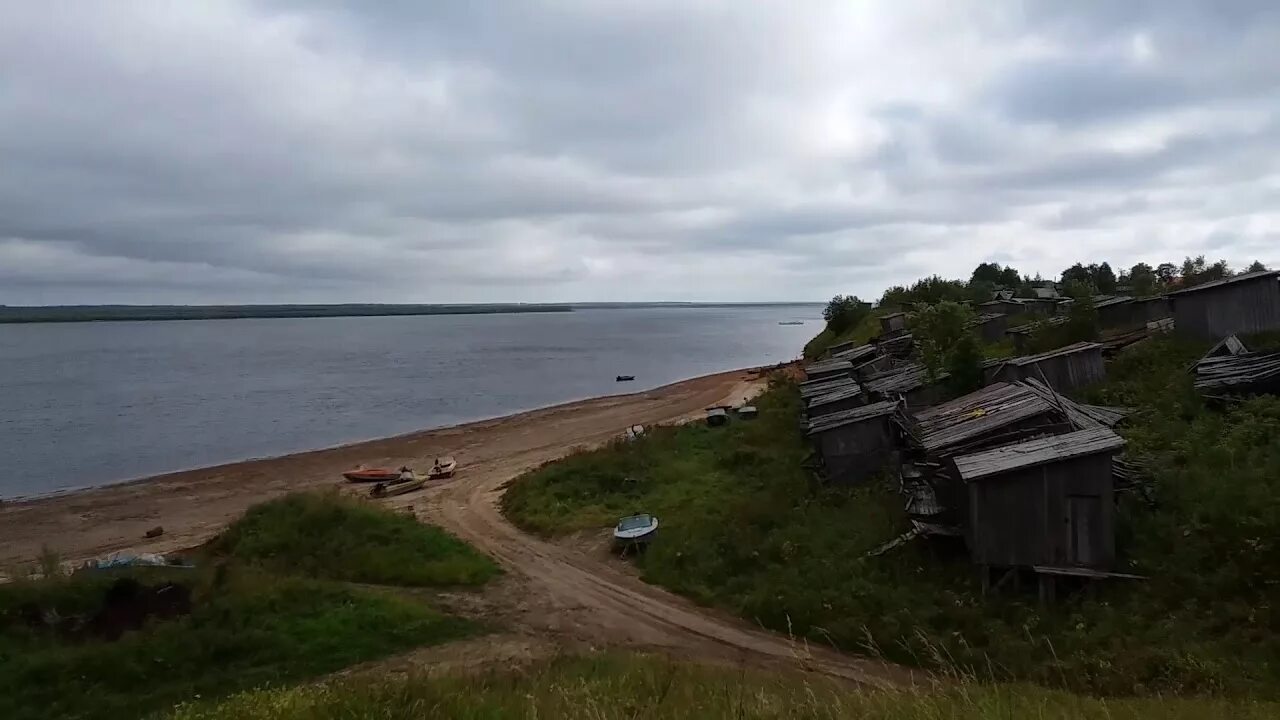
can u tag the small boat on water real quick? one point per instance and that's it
(626, 378)
(790, 322)
(406, 483)
(444, 467)
(380, 474)
(635, 530)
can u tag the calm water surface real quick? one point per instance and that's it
(94, 403)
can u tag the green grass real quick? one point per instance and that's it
(861, 333)
(268, 607)
(247, 630)
(605, 687)
(338, 538)
(745, 527)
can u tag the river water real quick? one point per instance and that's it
(86, 404)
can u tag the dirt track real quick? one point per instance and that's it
(573, 597)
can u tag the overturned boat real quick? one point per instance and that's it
(635, 530)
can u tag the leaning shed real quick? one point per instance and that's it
(1067, 368)
(846, 397)
(855, 444)
(1247, 303)
(991, 326)
(1046, 503)
(828, 369)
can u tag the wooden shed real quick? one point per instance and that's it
(1065, 369)
(990, 326)
(813, 388)
(825, 369)
(1248, 303)
(845, 397)
(910, 383)
(855, 444)
(1045, 503)
(840, 347)
(1005, 307)
(1114, 312)
(855, 354)
(893, 323)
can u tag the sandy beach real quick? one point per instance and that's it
(194, 505)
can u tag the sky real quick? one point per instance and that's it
(560, 151)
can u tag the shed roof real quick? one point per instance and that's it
(1033, 453)
(956, 423)
(901, 379)
(1037, 324)
(1242, 277)
(854, 354)
(827, 366)
(1045, 292)
(1080, 415)
(814, 388)
(1001, 302)
(985, 318)
(848, 417)
(1065, 350)
(1112, 301)
(844, 392)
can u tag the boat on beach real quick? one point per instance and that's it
(635, 530)
(379, 474)
(444, 467)
(406, 483)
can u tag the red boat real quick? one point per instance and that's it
(371, 475)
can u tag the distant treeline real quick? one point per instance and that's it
(102, 313)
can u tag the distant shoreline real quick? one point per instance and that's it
(15, 315)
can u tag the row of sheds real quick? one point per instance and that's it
(1023, 473)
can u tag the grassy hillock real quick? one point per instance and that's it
(745, 527)
(338, 538)
(621, 687)
(262, 610)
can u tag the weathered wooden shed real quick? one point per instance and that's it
(840, 347)
(846, 397)
(1247, 303)
(810, 389)
(855, 444)
(824, 369)
(855, 354)
(1038, 306)
(1021, 334)
(1005, 307)
(1064, 369)
(893, 323)
(1114, 312)
(990, 326)
(1047, 502)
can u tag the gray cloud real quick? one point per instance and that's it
(342, 151)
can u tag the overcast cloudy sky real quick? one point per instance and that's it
(558, 151)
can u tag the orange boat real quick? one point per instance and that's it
(371, 475)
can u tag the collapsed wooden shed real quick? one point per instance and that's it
(1066, 368)
(1044, 503)
(855, 444)
(1247, 303)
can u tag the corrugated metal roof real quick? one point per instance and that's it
(1033, 453)
(1243, 277)
(848, 417)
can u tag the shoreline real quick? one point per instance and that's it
(193, 505)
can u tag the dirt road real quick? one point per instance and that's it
(560, 592)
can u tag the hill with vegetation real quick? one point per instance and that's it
(265, 604)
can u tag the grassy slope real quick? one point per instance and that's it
(860, 333)
(338, 538)
(619, 686)
(745, 528)
(249, 627)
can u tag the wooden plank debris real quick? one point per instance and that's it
(1256, 372)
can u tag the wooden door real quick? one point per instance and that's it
(1084, 512)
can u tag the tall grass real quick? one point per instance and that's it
(746, 527)
(327, 535)
(624, 687)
